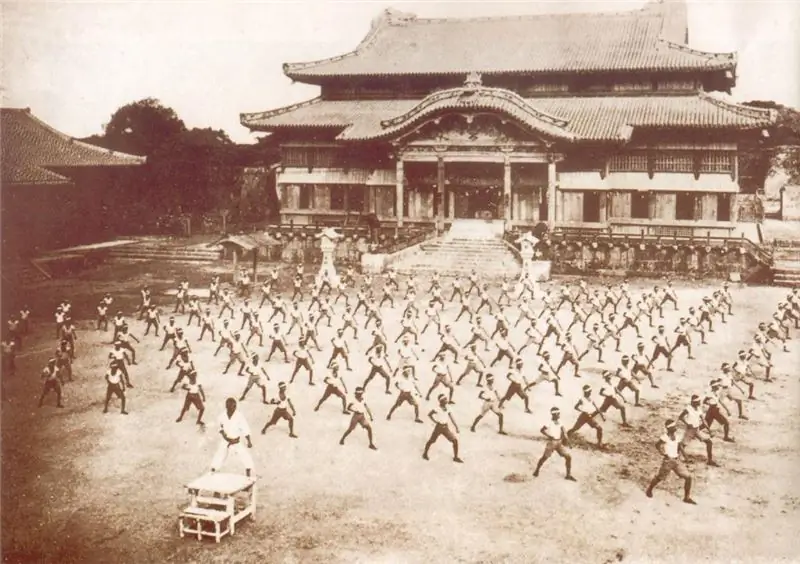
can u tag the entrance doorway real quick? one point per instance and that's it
(483, 202)
(591, 207)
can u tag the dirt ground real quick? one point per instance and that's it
(81, 486)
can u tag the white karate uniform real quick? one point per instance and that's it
(234, 427)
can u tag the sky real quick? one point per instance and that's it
(74, 63)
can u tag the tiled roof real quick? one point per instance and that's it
(30, 147)
(598, 118)
(400, 44)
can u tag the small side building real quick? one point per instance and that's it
(56, 191)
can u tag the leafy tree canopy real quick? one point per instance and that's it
(143, 127)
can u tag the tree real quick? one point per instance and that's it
(144, 127)
(756, 160)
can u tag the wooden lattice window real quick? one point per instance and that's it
(717, 161)
(628, 162)
(673, 161)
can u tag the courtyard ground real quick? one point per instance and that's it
(81, 486)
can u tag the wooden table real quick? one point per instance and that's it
(213, 501)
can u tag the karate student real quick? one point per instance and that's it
(152, 319)
(303, 359)
(361, 415)
(102, 317)
(118, 356)
(180, 343)
(194, 311)
(587, 410)
(491, 402)
(207, 325)
(557, 441)
(284, 409)
(125, 338)
(256, 376)
(612, 397)
(64, 359)
(69, 335)
(115, 387)
(449, 343)
(517, 386)
(627, 380)
(227, 304)
(334, 386)
(692, 418)
(278, 307)
(441, 375)
(443, 420)
(712, 403)
(472, 363)
(349, 321)
(504, 350)
(256, 330)
(671, 449)
(9, 352)
(568, 356)
(278, 343)
(340, 348)
(408, 393)
(213, 290)
(266, 290)
(195, 396)
(731, 390)
(546, 374)
(225, 336)
(379, 365)
(51, 381)
(25, 320)
(661, 348)
(170, 331)
(118, 321)
(233, 428)
(185, 367)
(238, 352)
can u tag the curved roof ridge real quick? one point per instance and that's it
(440, 95)
(385, 18)
(523, 17)
(767, 114)
(475, 96)
(247, 117)
(729, 56)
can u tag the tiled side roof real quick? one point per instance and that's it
(30, 147)
(400, 44)
(584, 118)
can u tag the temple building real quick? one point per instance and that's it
(590, 121)
(57, 191)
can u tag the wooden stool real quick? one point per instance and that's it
(219, 521)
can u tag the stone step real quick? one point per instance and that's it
(166, 255)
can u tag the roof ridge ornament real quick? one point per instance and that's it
(473, 81)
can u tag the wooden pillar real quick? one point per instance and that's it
(399, 192)
(507, 191)
(440, 179)
(235, 265)
(551, 193)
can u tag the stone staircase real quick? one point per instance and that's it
(469, 244)
(786, 266)
(159, 251)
